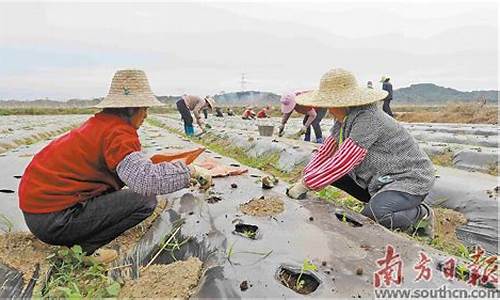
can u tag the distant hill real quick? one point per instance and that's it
(247, 98)
(236, 98)
(424, 93)
(50, 103)
(227, 99)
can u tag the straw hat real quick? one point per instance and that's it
(338, 88)
(129, 88)
(384, 78)
(211, 102)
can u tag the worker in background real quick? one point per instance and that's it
(218, 112)
(369, 156)
(248, 114)
(387, 86)
(195, 104)
(312, 117)
(263, 113)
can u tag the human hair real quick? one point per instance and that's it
(123, 112)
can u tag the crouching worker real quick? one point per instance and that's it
(263, 113)
(248, 114)
(369, 155)
(195, 104)
(71, 192)
(312, 117)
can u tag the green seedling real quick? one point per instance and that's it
(306, 266)
(230, 252)
(75, 276)
(7, 223)
(344, 218)
(249, 234)
(462, 272)
(171, 236)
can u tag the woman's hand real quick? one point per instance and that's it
(297, 191)
(202, 176)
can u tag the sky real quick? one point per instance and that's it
(71, 49)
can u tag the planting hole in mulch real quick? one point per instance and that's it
(345, 218)
(6, 191)
(234, 165)
(305, 285)
(218, 157)
(213, 199)
(18, 176)
(255, 176)
(265, 206)
(246, 230)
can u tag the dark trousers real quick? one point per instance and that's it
(320, 114)
(387, 108)
(185, 113)
(392, 209)
(93, 223)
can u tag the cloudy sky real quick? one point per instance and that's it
(71, 50)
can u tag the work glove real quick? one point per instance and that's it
(202, 177)
(297, 191)
(281, 130)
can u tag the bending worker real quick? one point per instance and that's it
(263, 113)
(71, 192)
(369, 155)
(248, 114)
(313, 116)
(195, 104)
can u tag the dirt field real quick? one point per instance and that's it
(470, 113)
(176, 280)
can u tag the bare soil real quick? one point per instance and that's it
(176, 280)
(469, 113)
(22, 251)
(446, 223)
(263, 206)
(126, 242)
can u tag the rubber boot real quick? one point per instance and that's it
(190, 130)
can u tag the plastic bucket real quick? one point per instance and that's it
(266, 130)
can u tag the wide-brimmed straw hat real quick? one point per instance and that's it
(287, 102)
(129, 88)
(339, 88)
(211, 102)
(384, 78)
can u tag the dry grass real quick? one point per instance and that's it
(467, 113)
(443, 159)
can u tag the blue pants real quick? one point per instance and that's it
(186, 117)
(320, 114)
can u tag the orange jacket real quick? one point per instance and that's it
(78, 165)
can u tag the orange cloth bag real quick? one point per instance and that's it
(187, 156)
